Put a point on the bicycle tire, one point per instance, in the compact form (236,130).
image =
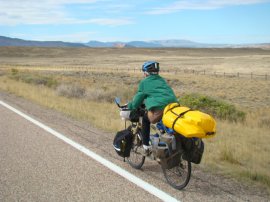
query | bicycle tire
(174,176)
(136,159)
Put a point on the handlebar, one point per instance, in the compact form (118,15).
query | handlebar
(117,102)
(131,115)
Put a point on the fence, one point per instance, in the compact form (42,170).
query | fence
(226,74)
(198,72)
(251,75)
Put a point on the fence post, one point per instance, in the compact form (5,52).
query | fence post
(238,74)
(251,75)
(265,76)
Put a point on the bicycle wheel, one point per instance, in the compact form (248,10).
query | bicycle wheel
(179,175)
(136,159)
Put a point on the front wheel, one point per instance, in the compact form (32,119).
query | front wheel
(136,159)
(178,176)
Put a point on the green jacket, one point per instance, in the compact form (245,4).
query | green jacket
(154,92)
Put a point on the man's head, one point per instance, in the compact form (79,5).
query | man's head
(150,67)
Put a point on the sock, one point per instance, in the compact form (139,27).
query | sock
(146,147)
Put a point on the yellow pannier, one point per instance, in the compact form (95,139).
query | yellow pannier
(187,122)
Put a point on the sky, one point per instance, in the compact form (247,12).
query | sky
(204,21)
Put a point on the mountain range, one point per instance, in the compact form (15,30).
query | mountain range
(7,41)
(152,44)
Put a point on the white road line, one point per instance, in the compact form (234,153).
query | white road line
(139,182)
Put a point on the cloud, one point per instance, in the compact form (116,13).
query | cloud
(108,21)
(53,12)
(201,5)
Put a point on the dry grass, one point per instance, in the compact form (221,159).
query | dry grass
(241,149)
(71,91)
(244,60)
(78,108)
(244,93)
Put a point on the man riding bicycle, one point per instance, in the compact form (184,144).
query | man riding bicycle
(156,94)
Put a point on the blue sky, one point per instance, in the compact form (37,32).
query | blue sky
(205,21)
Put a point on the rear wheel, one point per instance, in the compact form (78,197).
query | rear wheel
(179,175)
(136,159)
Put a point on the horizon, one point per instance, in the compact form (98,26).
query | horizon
(137,41)
(81,21)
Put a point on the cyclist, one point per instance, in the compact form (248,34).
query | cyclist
(156,94)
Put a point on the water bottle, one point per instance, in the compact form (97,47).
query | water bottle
(173,143)
(170,140)
(155,140)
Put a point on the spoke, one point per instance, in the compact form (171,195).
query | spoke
(178,176)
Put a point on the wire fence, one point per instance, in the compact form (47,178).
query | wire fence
(175,71)
(251,75)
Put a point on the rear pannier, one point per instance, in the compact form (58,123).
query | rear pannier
(194,148)
(187,122)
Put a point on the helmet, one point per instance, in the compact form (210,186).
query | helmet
(150,67)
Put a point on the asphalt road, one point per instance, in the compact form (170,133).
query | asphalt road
(37,166)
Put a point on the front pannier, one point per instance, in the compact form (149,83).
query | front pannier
(122,142)
(187,122)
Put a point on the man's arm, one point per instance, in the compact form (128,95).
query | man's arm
(138,98)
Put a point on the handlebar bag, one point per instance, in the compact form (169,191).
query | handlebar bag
(187,122)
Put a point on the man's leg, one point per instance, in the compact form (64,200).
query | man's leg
(155,116)
(146,135)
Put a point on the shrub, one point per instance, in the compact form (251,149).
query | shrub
(33,78)
(103,94)
(70,90)
(99,95)
(14,71)
(217,108)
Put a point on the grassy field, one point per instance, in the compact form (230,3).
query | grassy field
(63,79)
(229,60)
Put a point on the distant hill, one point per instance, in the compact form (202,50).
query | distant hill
(173,43)
(101,44)
(147,44)
(137,44)
(118,44)
(6,41)
(185,43)
(144,44)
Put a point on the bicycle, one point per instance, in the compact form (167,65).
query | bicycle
(168,149)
